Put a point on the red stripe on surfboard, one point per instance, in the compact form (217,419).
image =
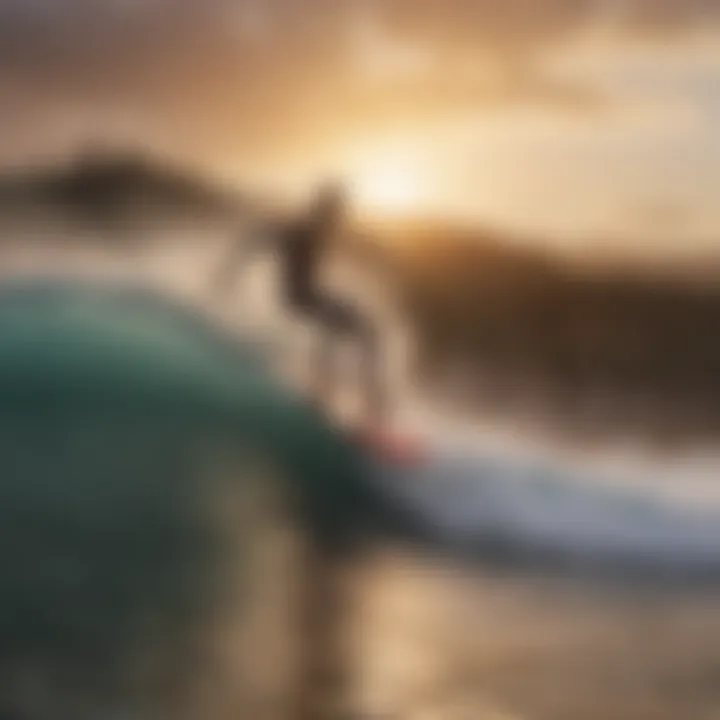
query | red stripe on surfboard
(393,446)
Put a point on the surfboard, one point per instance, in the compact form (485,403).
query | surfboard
(380,436)
(390,444)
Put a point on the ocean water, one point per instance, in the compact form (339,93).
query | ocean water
(573,623)
(604,605)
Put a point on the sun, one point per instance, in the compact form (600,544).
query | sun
(389,187)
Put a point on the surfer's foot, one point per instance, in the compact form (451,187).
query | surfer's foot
(376,416)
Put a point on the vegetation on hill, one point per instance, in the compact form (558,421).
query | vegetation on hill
(115,187)
(600,345)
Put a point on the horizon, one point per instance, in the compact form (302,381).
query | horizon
(398,222)
(568,125)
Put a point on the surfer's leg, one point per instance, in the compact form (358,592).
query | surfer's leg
(341,319)
(323,357)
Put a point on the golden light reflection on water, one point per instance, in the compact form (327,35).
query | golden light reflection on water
(440,644)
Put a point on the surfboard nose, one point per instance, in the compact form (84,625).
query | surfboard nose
(392,446)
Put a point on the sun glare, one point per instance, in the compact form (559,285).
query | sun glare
(389,187)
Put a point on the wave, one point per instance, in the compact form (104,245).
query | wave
(546,517)
(519,503)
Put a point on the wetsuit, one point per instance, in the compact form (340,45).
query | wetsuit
(302,246)
(302,251)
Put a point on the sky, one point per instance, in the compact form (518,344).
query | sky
(578,121)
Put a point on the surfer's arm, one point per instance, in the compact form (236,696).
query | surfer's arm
(236,263)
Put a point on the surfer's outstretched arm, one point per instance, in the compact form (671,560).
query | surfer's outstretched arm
(242,251)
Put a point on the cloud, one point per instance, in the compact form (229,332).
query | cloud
(381,56)
(247,78)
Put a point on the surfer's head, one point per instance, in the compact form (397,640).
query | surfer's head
(329,206)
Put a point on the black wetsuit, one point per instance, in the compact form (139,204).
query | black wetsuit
(303,247)
(301,252)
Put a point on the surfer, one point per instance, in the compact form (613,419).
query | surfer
(302,246)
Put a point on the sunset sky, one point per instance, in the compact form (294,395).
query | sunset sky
(566,118)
